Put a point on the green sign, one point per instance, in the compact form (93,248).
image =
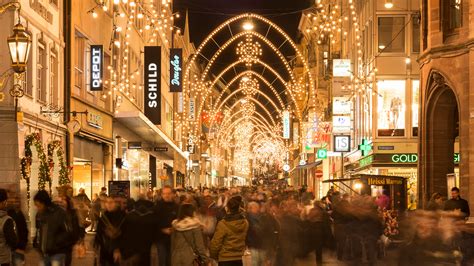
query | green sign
(413,158)
(365,147)
(366,161)
(322,154)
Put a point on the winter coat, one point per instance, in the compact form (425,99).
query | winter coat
(461,204)
(186,242)
(255,234)
(8,239)
(103,241)
(52,236)
(228,243)
(165,213)
(21,228)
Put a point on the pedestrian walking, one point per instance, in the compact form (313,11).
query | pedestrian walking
(8,237)
(228,243)
(435,203)
(52,237)
(73,228)
(187,244)
(456,203)
(18,255)
(166,211)
(94,213)
(255,234)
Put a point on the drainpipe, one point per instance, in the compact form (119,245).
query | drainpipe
(67,73)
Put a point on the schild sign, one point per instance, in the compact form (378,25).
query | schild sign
(152,75)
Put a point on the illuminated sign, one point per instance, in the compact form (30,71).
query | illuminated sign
(152,75)
(322,154)
(192,109)
(341,106)
(384,181)
(342,143)
(96,67)
(341,124)
(341,67)
(286,124)
(412,157)
(365,147)
(176,58)
(94,120)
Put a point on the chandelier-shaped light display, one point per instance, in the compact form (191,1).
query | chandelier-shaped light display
(249,85)
(249,51)
(248,108)
(243,131)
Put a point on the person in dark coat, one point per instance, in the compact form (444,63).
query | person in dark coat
(109,229)
(320,234)
(166,210)
(255,234)
(136,240)
(456,203)
(435,203)
(21,232)
(52,237)
(8,238)
(76,231)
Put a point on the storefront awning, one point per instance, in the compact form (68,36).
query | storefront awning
(309,165)
(138,123)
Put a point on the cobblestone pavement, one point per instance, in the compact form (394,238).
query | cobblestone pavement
(32,258)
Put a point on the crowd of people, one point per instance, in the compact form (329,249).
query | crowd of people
(259,225)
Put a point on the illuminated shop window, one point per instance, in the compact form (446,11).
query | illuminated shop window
(391,108)
(414,106)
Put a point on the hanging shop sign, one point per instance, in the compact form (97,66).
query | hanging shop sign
(341,67)
(192,109)
(342,143)
(341,106)
(176,58)
(380,181)
(133,145)
(286,124)
(365,147)
(341,123)
(153,83)
(160,149)
(322,154)
(94,120)
(96,71)
(190,149)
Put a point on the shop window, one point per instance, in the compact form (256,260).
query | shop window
(79,64)
(391,108)
(391,34)
(452,14)
(41,69)
(416,34)
(414,106)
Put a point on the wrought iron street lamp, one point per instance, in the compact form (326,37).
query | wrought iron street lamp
(19,44)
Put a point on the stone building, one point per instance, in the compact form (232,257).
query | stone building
(447,85)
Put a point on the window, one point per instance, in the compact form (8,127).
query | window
(53,79)
(79,64)
(391,108)
(416,34)
(391,34)
(41,74)
(452,14)
(27,82)
(415,98)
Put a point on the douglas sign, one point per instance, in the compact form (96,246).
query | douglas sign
(176,57)
(153,83)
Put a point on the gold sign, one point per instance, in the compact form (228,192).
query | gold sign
(383,181)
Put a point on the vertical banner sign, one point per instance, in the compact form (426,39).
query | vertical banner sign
(97,58)
(180,102)
(286,124)
(342,143)
(192,111)
(153,83)
(176,58)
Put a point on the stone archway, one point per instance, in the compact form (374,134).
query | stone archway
(441,128)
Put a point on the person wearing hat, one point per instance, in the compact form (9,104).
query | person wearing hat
(228,244)
(8,238)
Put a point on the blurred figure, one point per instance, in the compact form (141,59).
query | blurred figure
(103,191)
(342,218)
(73,227)
(187,243)
(207,217)
(456,203)
(166,210)
(319,231)
(94,213)
(382,201)
(291,243)
(228,243)
(109,229)
(83,204)
(435,203)
(52,237)
(8,238)
(255,234)
(22,235)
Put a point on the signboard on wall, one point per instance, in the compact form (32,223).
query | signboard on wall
(119,188)
(152,75)
(176,58)
(286,124)
(341,123)
(341,106)
(96,71)
(192,109)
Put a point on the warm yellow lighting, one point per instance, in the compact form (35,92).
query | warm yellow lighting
(388,4)
(248,25)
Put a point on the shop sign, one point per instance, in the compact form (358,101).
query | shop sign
(152,75)
(41,10)
(322,154)
(160,149)
(94,120)
(366,161)
(386,148)
(372,181)
(339,89)
(342,143)
(97,58)
(341,124)
(408,158)
(404,158)
(365,147)
(192,109)
(341,67)
(190,149)
(133,145)
(286,124)
(119,188)
(341,106)
(176,58)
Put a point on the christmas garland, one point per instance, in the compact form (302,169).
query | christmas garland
(63,170)
(25,163)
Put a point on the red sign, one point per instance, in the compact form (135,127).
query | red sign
(318,173)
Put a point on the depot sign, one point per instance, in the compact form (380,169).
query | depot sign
(97,58)
(152,75)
